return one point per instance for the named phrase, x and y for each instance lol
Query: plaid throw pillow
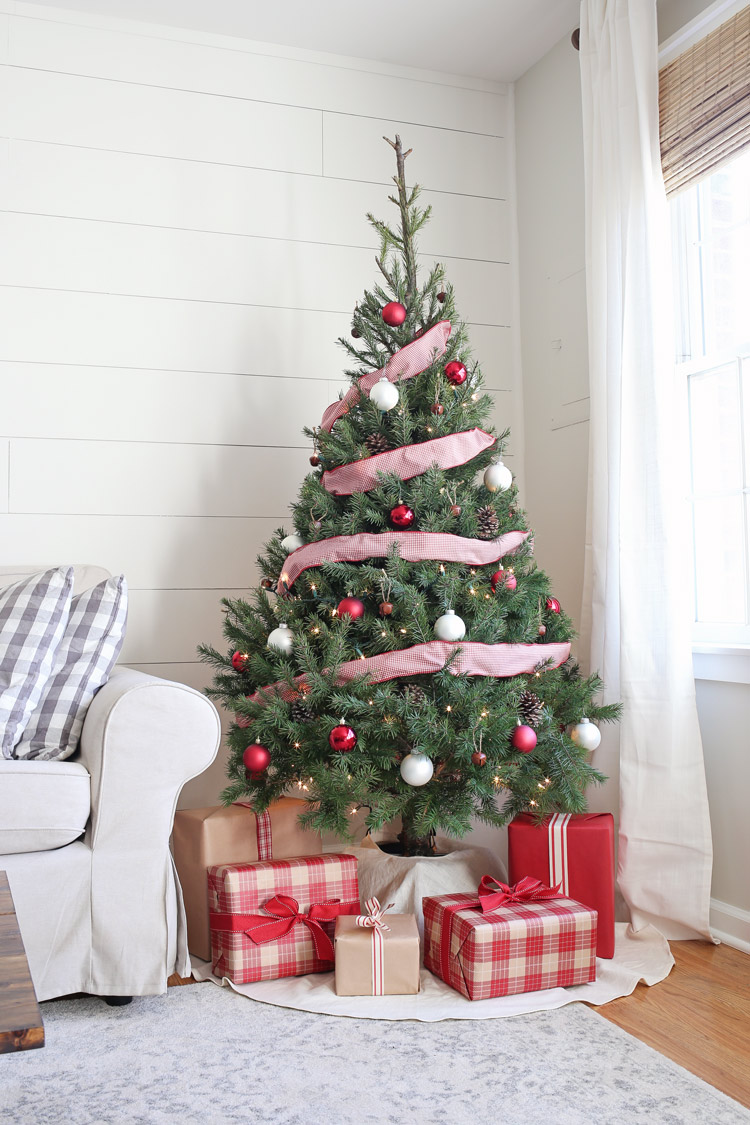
(33, 615)
(84, 659)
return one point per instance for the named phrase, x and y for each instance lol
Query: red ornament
(455, 373)
(441, 297)
(267, 583)
(504, 578)
(315, 460)
(479, 758)
(239, 661)
(386, 609)
(455, 509)
(402, 516)
(553, 605)
(356, 334)
(256, 758)
(524, 738)
(342, 738)
(394, 314)
(350, 607)
(437, 408)
(542, 630)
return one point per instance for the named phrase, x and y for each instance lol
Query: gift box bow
(493, 893)
(373, 919)
(282, 913)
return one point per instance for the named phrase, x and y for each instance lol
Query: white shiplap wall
(183, 239)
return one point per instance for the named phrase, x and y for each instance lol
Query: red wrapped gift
(576, 851)
(276, 919)
(507, 940)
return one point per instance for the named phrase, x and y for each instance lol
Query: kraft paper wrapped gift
(276, 919)
(377, 954)
(575, 852)
(204, 838)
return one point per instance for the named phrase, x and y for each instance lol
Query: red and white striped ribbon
(407, 461)
(263, 829)
(473, 659)
(557, 836)
(413, 546)
(409, 361)
(373, 920)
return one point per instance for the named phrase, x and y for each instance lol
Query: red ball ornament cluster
(239, 661)
(504, 578)
(553, 605)
(394, 314)
(402, 517)
(256, 759)
(350, 607)
(524, 738)
(342, 738)
(455, 373)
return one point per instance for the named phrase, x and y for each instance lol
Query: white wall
(550, 185)
(183, 240)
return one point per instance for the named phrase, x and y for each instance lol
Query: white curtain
(637, 594)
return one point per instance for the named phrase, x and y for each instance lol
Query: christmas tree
(403, 653)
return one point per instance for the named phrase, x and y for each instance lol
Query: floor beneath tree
(699, 1016)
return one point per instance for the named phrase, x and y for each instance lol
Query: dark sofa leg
(117, 1001)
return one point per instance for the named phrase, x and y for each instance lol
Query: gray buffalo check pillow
(83, 661)
(33, 616)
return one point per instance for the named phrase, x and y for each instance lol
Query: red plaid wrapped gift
(509, 939)
(276, 919)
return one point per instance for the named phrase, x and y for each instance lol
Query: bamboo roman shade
(704, 104)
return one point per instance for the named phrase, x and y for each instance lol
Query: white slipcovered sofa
(85, 842)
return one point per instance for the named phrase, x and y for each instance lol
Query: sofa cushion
(84, 659)
(33, 615)
(43, 805)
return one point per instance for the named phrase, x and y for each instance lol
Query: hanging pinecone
(488, 522)
(414, 694)
(377, 443)
(530, 708)
(301, 713)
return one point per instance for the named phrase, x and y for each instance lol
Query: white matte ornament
(586, 734)
(281, 639)
(416, 769)
(384, 395)
(449, 627)
(497, 477)
(292, 542)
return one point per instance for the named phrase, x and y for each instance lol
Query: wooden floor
(699, 1016)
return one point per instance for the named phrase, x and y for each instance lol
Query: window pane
(716, 430)
(719, 559)
(725, 252)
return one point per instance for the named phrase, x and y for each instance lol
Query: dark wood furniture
(21, 1025)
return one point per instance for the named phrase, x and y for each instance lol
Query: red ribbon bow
(285, 914)
(493, 893)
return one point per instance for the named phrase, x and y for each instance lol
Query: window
(711, 251)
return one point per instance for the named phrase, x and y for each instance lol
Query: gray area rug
(205, 1054)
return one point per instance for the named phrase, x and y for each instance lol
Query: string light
(449, 708)
(315, 630)
(472, 572)
(402, 630)
(371, 701)
(383, 633)
(313, 586)
(297, 745)
(472, 591)
(484, 714)
(428, 429)
(474, 397)
(442, 569)
(354, 809)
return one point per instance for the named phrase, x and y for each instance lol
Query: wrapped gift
(203, 838)
(505, 939)
(375, 957)
(576, 852)
(277, 919)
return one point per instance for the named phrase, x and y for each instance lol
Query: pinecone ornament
(530, 709)
(415, 694)
(488, 522)
(377, 443)
(301, 713)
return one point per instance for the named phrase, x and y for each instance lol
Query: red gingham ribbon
(525, 890)
(473, 659)
(373, 921)
(407, 461)
(283, 914)
(263, 827)
(413, 546)
(409, 361)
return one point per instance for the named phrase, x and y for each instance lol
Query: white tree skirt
(642, 956)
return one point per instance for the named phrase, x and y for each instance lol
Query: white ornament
(281, 639)
(384, 394)
(449, 627)
(586, 734)
(292, 542)
(497, 477)
(416, 769)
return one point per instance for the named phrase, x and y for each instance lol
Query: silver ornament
(586, 734)
(449, 627)
(497, 477)
(281, 639)
(292, 542)
(416, 769)
(384, 395)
